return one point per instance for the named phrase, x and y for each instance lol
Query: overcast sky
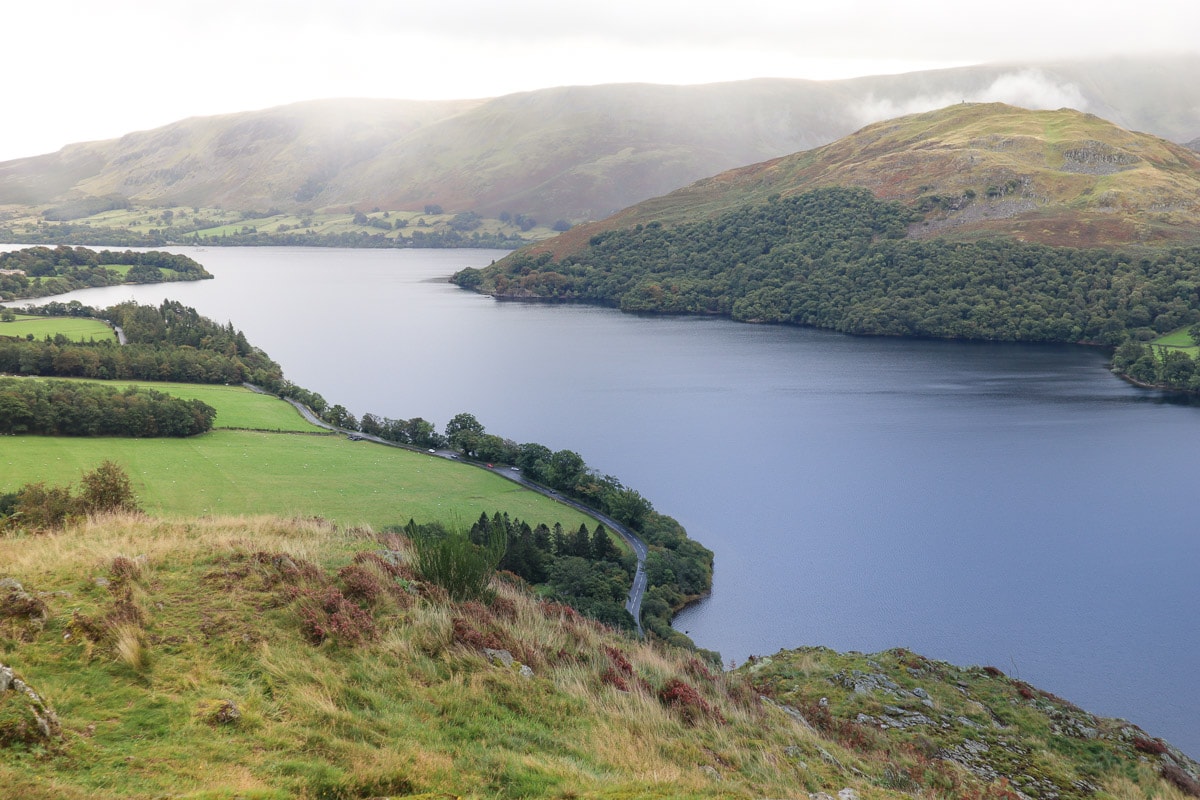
(79, 70)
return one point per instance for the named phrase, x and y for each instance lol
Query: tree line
(170, 342)
(679, 569)
(840, 259)
(42, 271)
(1153, 365)
(583, 569)
(68, 408)
(417, 238)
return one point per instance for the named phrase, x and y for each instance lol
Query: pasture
(289, 474)
(77, 329)
(1178, 339)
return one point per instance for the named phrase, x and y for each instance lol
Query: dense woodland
(42, 271)
(678, 569)
(170, 342)
(69, 408)
(839, 259)
(581, 568)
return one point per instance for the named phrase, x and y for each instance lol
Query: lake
(1011, 505)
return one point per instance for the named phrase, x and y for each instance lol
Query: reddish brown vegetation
(619, 661)
(16, 604)
(610, 677)
(389, 567)
(698, 670)
(327, 614)
(1181, 779)
(1154, 747)
(361, 584)
(683, 698)
(125, 569)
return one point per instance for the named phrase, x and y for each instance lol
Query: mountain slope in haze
(571, 153)
(973, 170)
(246, 161)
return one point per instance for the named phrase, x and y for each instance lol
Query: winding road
(634, 602)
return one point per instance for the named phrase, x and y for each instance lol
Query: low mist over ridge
(972, 170)
(572, 153)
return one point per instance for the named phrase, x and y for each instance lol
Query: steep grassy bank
(273, 658)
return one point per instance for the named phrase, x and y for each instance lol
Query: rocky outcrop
(25, 718)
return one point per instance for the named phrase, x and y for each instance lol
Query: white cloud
(80, 70)
(1029, 88)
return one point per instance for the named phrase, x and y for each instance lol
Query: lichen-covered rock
(25, 719)
(219, 712)
(18, 604)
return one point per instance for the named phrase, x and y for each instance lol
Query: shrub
(360, 584)
(107, 488)
(1154, 747)
(619, 661)
(41, 507)
(328, 614)
(15, 602)
(453, 562)
(683, 698)
(125, 569)
(37, 506)
(611, 677)
(698, 670)
(22, 613)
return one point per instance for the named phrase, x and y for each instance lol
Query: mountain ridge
(974, 170)
(572, 153)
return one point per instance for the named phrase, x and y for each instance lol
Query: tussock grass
(199, 617)
(129, 647)
(207, 618)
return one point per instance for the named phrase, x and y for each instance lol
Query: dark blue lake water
(979, 503)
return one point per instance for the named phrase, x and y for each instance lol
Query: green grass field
(274, 462)
(74, 328)
(237, 406)
(215, 223)
(123, 270)
(1178, 339)
(253, 472)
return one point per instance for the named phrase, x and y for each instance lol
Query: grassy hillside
(973, 171)
(268, 460)
(155, 226)
(265, 658)
(571, 153)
